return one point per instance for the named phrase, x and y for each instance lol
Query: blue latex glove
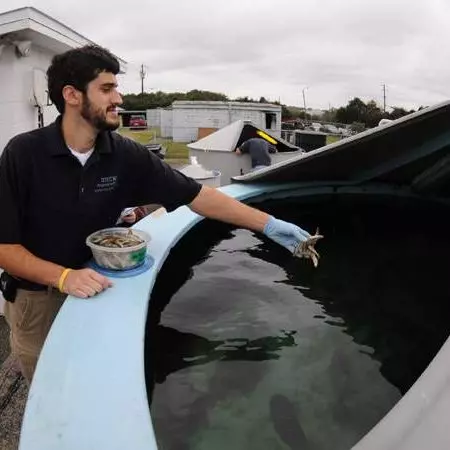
(284, 233)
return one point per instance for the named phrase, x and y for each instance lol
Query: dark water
(250, 348)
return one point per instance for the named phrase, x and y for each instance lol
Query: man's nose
(117, 99)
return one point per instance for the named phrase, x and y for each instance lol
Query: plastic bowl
(122, 258)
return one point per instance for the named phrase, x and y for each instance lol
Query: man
(259, 150)
(82, 175)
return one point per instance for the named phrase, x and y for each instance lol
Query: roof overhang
(31, 24)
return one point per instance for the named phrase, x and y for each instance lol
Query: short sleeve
(156, 182)
(10, 198)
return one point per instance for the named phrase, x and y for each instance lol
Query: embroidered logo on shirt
(106, 184)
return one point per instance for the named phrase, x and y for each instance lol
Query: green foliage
(368, 114)
(330, 115)
(197, 95)
(294, 112)
(331, 139)
(286, 113)
(140, 102)
(355, 111)
(141, 136)
(396, 113)
(159, 99)
(177, 152)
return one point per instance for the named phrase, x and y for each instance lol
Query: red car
(138, 122)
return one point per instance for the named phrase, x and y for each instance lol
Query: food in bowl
(118, 248)
(117, 240)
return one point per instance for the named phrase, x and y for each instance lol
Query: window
(271, 121)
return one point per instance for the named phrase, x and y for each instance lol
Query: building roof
(225, 105)
(44, 31)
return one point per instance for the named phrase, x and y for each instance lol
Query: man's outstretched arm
(214, 204)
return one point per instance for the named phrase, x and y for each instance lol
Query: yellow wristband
(62, 278)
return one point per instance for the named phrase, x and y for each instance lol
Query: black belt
(30, 286)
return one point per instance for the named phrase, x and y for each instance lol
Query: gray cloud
(339, 49)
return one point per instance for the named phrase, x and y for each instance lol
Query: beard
(96, 117)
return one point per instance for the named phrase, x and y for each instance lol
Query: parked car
(138, 122)
(157, 149)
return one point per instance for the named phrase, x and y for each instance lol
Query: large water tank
(200, 174)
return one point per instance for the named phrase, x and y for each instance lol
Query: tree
(286, 113)
(397, 112)
(245, 99)
(330, 115)
(196, 95)
(357, 111)
(373, 114)
(161, 99)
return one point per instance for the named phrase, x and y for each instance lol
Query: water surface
(250, 348)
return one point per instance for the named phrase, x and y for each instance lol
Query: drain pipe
(40, 116)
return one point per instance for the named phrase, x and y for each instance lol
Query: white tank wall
(229, 164)
(17, 114)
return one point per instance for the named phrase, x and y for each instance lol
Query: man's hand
(286, 234)
(298, 241)
(85, 283)
(130, 217)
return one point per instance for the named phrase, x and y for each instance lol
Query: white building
(28, 41)
(192, 120)
(161, 118)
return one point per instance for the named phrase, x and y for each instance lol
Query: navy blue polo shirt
(50, 203)
(259, 150)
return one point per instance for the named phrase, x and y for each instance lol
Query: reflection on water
(249, 348)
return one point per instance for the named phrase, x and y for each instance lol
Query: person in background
(259, 150)
(83, 175)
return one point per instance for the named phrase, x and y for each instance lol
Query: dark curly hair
(77, 68)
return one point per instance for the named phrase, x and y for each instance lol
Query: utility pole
(142, 75)
(384, 97)
(304, 100)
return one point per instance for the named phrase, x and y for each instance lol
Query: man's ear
(72, 96)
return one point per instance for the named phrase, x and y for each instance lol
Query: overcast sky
(336, 49)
